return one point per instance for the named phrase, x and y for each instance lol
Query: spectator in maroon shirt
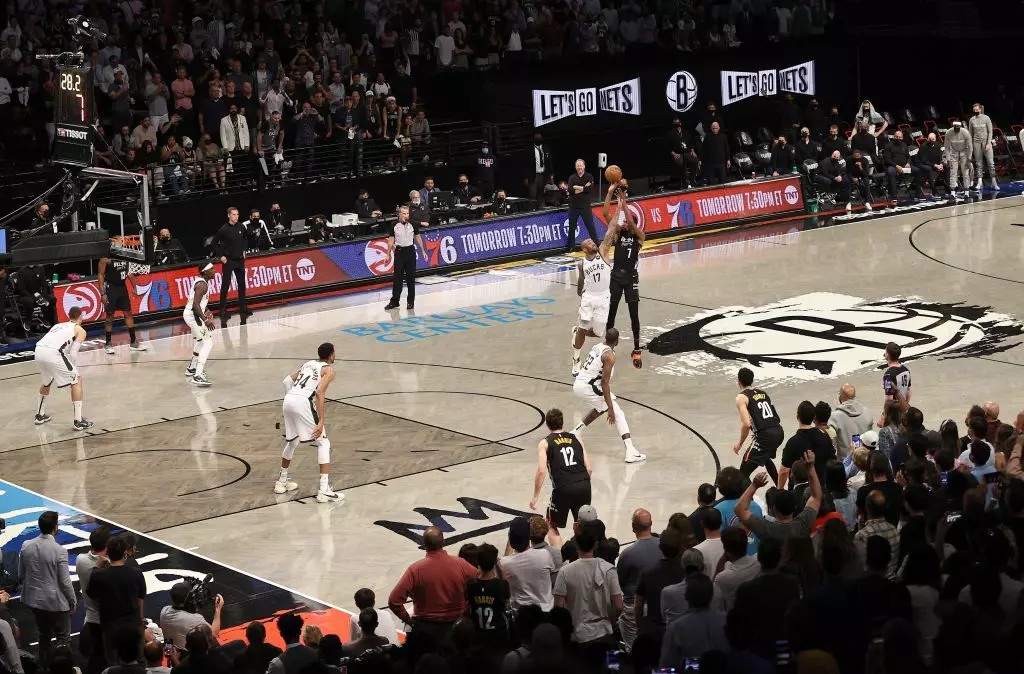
(437, 586)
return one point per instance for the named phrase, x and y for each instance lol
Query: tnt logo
(791, 195)
(305, 269)
(86, 296)
(377, 256)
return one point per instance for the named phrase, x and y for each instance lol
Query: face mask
(165, 238)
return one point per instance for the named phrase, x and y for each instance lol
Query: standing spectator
(46, 586)
(366, 599)
(958, 145)
(705, 501)
(665, 572)
(581, 186)
(296, 656)
(770, 593)
(306, 124)
(785, 524)
(739, 567)
(871, 120)
(673, 597)
(890, 429)
(90, 641)
(258, 654)
(589, 588)
(980, 126)
(716, 158)
(643, 554)
(120, 593)
(711, 546)
(486, 164)
(992, 418)
(437, 586)
(807, 438)
(540, 167)
(876, 525)
(530, 571)
(211, 111)
(176, 621)
(234, 132)
(445, 46)
(120, 100)
(879, 479)
(850, 419)
(487, 597)
(157, 94)
(699, 630)
(731, 484)
(183, 91)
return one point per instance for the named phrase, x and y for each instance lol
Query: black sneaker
(42, 419)
(3, 340)
(391, 305)
(410, 306)
(82, 424)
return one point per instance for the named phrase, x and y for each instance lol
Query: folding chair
(1005, 164)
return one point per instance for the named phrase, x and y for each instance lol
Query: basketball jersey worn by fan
(596, 277)
(308, 380)
(593, 368)
(119, 275)
(565, 460)
(896, 377)
(202, 300)
(487, 600)
(59, 338)
(761, 410)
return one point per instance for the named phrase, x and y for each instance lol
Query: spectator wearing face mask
(980, 127)
(168, 249)
(805, 148)
(897, 165)
(418, 212)
(929, 164)
(876, 124)
(465, 193)
(485, 165)
(783, 156)
(958, 152)
(864, 141)
(833, 141)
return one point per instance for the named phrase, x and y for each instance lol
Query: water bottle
(55, 278)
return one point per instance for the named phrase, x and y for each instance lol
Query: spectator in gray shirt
(673, 597)
(530, 572)
(154, 653)
(589, 588)
(785, 524)
(176, 620)
(643, 554)
(90, 643)
(699, 630)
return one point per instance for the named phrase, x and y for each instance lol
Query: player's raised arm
(631, 219)
(606, 209)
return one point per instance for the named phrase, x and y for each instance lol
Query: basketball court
(434, 417)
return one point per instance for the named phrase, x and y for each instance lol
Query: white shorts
(594, 313)
(300, 418)
(592, 397)
(55, 368)
(199, 330)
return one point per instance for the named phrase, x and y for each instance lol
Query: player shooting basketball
(628, 239)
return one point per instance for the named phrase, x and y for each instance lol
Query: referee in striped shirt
(403, 252)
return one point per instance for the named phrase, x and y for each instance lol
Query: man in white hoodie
(980, 126)
(851, 420)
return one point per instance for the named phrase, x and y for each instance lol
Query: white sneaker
(189, 372)
(329, 496)
(576, 366)
(572, 340)
(284, 487)
(867, 206)
(108, 349)
(977, 185)
(201, 380)
(138, 346)
(635, 457)
(849, 207)
(995, 185)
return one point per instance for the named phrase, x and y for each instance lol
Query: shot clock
(74, 115)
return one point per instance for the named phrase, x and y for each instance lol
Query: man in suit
(46, 587)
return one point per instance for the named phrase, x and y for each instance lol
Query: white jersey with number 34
(308, 380)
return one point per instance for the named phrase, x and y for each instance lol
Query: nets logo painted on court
(305, 269)
(827, 335)
(475, 511)
(378, 258)
(86, 296)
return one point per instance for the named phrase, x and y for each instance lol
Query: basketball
(613, 174)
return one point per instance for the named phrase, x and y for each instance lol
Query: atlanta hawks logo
(378, 258)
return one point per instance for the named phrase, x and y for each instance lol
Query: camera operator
(34, 289)
(317, 229)
(179, 618)
(168, 250)
(256, 232)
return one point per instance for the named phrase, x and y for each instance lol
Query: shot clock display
(74, 114)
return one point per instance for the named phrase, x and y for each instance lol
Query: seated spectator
(785, 525)
(465, 193)
(673, 597)
(738, 568)
(711, 547)
(831, 176)
(203, 659)
(838, 494)
(176, 620)
(212, 158)
(296, 656)
(258, 653)
(783, 157)
(667, 571)
(930, 165)
(368, 639)
(877, 526)
(699, 630)
(419, 129)
(881, 597)
(705, 500)
(153, 654)
(530, 572)
(833, 141)
(589, 588)
(805, 148)
(122, 142)
(175, 171)
(366, 207)
(126, 647)
(866, 142)
(897, 163)
(501, 205)
(311, 635)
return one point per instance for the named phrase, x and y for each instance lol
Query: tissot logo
(827, 334)
(74, 134)
(465, 525)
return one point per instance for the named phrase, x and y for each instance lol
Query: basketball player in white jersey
(593, 274)
(200, 320)
(594, 384)
(303, 406)
(56, 354)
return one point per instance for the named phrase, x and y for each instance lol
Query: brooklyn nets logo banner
(828, 335)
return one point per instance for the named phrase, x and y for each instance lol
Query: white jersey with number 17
(596, 277)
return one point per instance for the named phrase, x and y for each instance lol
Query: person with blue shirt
(731, 484)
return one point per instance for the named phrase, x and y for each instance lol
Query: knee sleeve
(323, 450)
(620, 419)
(289, 449)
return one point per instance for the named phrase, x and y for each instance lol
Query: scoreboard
(74, 115)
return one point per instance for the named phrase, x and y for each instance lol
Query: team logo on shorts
(84, 295)
(305, 269)
(378, 258)
(828, 335)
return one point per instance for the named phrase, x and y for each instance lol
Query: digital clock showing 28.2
(74, 100)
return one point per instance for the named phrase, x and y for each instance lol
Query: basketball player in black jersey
(628, 239)
(114, 280)
(564, 456)
(757, 414)
(487, 596)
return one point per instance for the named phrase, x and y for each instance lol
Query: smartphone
(953, 517)
(691, 665)
(613, 660)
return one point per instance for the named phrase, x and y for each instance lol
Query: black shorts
(568, 499)
(625, 283)
(765, 445)
(117, 300)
